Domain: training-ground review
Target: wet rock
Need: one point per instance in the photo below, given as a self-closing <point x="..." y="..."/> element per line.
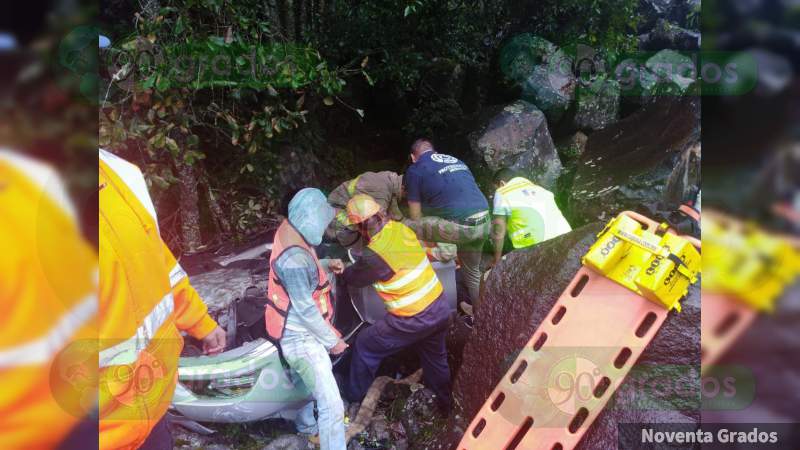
<point x="628" y="164"/>
<point x="520" y="292"/>
<point x="571" y="148"/>
<point x="289" y="442"/>
<point x="597" y="104"/>
<point x="518" y="137"/>
<point x="667" y="35"/>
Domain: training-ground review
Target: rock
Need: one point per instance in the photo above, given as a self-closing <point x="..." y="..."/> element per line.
<point x="666" y="35"/>
<point x="419" y="413"/>
<point x="518" y="137"/>
<point x="519" y="294"/>
<point x="289" y="442"/>
<point x="551" y="87"/>
<point x="597" y="104"/>
<point x="522" y="54"/>
<point x="629" y="164"/>
<point x="354" y="445"/>
<point x="571" y="148"/>
<point x="542" y="71"/>
<point x="650" y="11"/>
<point x="675" y="73"/>
<point x="379" y="430"/>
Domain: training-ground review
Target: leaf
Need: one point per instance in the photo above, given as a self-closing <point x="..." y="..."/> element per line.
<point x="328" y="101"/>
<point x="407" y="11"/>
<point x="364" y="62"/>
<point x="149" y="82"/>
<point x="360" y="112"/>
<point x="250" y="167"/>
<point x="193" y="140"/>
<point x="172" y="146"/>
<point x="229" y="35"/>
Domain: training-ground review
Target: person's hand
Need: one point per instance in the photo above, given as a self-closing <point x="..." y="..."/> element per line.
<point x="336" y="266"/>
<point x="215" y="342"/>
<point x="339" y="347"/>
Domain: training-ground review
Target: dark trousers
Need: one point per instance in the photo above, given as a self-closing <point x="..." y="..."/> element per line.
<point x="160" y="437"/>
<point x="392" y="334"/>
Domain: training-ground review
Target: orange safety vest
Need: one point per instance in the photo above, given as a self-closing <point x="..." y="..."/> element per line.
<point x="48" y="309"/>
<point x="145" y="299"/>
<point x="278" y="301"/>
<point x="414" y="285"/>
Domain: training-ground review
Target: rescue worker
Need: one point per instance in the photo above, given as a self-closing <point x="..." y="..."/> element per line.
<point x="395" y="263"/>
<point x="145" y="302"/>
<point x="299" y="310"/>
<point x="385" y="187"/>
<point x="442" y="189"/>
<point x="525" y="211"/>
<point x="48" y="293"/>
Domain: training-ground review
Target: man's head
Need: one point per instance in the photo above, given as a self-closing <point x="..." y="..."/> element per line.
<point x="503" y="176"/>
<point x="419" y="148"/>
<point x="365" y="213"/>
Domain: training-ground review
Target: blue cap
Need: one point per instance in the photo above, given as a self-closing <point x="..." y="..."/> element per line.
<point x="104" y="42"/>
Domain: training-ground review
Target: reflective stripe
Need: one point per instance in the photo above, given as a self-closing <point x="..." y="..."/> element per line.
<point x="351" y="188"/>
<point x="412" y="298"/>
<point x="412" y="275"/>
<point x="127" y="352"/>
<point x="43" y="349"/>
<point x="133" y="179"/>
<point x="43" y="177"/>
<point x="176" y="275"/>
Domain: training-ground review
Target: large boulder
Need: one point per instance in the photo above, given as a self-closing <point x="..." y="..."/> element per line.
<point x="629" y="164"/>
<point x="518" y="137"/>
<point x="519" y="293"/>
<point x="551" y="87"/>
<point x="597" y="104"/>
<point x="542" y="71"/>
<point x="522" y="53"/>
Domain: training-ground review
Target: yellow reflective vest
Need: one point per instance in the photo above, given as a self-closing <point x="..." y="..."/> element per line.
<point x="48" y="303"/>
<point x="145" y="299"/>
<point x="532" y="213"/>
<point x="414" y="285"/>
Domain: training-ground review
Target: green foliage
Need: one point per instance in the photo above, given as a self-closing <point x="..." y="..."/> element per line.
<point x="402" y="37"/>
<point x="606" y="25"/>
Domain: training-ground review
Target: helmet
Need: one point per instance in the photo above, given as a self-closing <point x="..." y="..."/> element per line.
<point x="361" y="207"/>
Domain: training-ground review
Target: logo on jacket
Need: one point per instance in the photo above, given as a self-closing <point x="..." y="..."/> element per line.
<point x="444" y="159"/>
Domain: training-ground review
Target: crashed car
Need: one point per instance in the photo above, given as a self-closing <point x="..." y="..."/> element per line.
<point x="247" y="382"/>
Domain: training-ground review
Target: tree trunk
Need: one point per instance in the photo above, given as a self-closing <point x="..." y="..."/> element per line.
<point x="189" y="205"/>
<point x="217" y="214"/>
